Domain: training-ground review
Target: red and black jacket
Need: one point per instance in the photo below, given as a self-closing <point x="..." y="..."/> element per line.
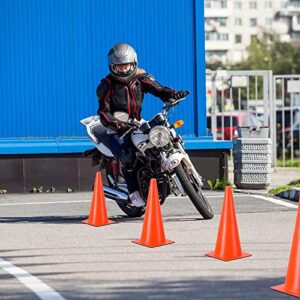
<point x="114" y="96"/>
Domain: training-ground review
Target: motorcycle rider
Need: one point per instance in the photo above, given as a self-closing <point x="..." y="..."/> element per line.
<point x="123" y="91"/>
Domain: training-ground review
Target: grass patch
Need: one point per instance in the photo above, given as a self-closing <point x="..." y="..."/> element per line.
<point x="277" y="190"/>
<point x="288" y="163"/>
<point x="219" y="184"/>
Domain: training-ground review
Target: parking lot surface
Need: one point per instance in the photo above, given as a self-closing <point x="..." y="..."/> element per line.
<point x="42" y="235"/>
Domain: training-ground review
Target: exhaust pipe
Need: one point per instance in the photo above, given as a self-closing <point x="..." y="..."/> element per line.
<point x="114" y="194"/>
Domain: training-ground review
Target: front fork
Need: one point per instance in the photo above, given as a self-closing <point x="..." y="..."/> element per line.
<point x="190" y="166"/>
<point x="177" y="183"/>
<point x="174" y="160"/>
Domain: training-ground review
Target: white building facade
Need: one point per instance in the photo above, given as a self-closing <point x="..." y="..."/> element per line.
<point x="231" y="24"/>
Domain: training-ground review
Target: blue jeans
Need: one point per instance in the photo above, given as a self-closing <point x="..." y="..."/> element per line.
<point x="123" y="149"/>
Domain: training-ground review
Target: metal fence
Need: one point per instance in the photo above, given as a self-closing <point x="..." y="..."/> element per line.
<point x="255" y="99"/>
<point x="286" y="133"/>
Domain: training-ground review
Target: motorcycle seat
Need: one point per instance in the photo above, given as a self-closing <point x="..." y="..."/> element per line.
<point x="99" y="130"/>
<point x="102" y="133"/>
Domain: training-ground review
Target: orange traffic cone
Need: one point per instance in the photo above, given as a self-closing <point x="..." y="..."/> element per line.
<point x="292" y="280"/>
<point x="228" y="246"/>
<point x="153" y="234"/>
<point x="98" y="214"/>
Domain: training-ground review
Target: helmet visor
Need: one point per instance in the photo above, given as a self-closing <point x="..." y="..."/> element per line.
<point x="123" y="69"/>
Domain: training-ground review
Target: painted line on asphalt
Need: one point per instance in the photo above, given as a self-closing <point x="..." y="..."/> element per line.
<point x="82" y="201"/>
<point x="46" y="202"/>
<point x="41" y="289"/>
<point x="276" y="201"/>
<point x="213" y="196"/>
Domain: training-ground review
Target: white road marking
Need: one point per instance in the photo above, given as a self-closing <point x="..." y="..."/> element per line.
<point x="82" y="201"/>
<point x="42" y="290"/>
<point x="47" y="202"/>
<point x="213" y="196"/>
<point x="276" y="201"/>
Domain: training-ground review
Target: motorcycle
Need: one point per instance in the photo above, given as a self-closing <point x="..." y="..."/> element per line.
<point x="159" y="154"/>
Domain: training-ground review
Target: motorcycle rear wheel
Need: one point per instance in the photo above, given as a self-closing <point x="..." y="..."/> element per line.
<point x="195" y="193"/>
<point x="130" y="211"/>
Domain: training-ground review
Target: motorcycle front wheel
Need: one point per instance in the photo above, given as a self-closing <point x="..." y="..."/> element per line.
<point x="194" y="192"/>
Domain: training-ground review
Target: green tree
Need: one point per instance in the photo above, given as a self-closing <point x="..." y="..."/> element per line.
<point x="269" y="53"/>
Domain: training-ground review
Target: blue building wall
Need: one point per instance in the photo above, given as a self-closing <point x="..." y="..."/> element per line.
<point x="54" y="52"/>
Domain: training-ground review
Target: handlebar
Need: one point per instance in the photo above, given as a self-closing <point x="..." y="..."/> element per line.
<point x="172" y="102"/>
<point x="165" y="108"/>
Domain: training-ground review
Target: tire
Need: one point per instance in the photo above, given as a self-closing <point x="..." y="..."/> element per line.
<point x="198" y="199"/>
<point x="130" y="211"/>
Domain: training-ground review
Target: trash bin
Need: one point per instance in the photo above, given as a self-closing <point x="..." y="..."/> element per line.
<point x="252" y="154"/>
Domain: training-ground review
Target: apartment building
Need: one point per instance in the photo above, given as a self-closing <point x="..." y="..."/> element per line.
<point x="289" y="14"/>
<point x="231" y="24"/>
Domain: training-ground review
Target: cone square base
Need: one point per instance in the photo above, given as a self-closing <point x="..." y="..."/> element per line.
<point x="108" y="223"/>
<point x="167" y="242"/>
<point x="212" y="254"/>
<point x="281" y="288"/>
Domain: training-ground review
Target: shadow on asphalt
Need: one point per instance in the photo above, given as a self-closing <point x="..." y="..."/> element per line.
<point x="202" y="288"/>
<point x="84" y="285"/>
<point x="79" y="219"/>
<point x="214" y="288"/>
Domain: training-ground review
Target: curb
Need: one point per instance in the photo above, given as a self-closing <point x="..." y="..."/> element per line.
<point x="256" y="192"/>
<point x="292" y="194"/>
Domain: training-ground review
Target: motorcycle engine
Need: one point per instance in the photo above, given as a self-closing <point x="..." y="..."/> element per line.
<point x="144" y="176"/>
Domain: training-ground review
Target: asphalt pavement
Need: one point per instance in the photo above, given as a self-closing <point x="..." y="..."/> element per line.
<point x="46" y="252"/>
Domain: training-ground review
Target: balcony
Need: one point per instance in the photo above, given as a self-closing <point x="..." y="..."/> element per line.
<point x="216" y="13"/>
<point x="216" y="24"/>
<point x="217" y="45"/>
<point x="291" y="8"/>
<point x="296" y="23"/>
<point x="216" y="9"/>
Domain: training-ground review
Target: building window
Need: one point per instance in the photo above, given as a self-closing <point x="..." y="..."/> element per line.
<point x="253" y="22"/>
<point x="295" y="36"/>
<point x="215" y="36"/>
<point x="253" y="5"/>
<point x="238" y="5"/>
<point x="213" y="56"/>
<point x="295" y="3"/>
<point x="268" y="4"/>
<point x="238" y="38"/>
<point x="223" y="3"/>
<point x="222" y="21"/>
<point x="216" y="4"/>
<point x="283" y="4"/>
<point x="238" y="21"/>
<point x="223" y="36"/>
<point x="269" y="21"/>
<point x="207" y="4"/>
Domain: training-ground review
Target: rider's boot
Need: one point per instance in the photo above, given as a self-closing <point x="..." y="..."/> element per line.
<point x="136" y="199"/>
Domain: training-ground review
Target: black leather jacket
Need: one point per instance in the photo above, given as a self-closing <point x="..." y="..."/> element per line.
<point x="114" y="96"/>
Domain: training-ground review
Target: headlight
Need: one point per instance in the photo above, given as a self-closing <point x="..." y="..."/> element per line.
<point x="159" y="136"/>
